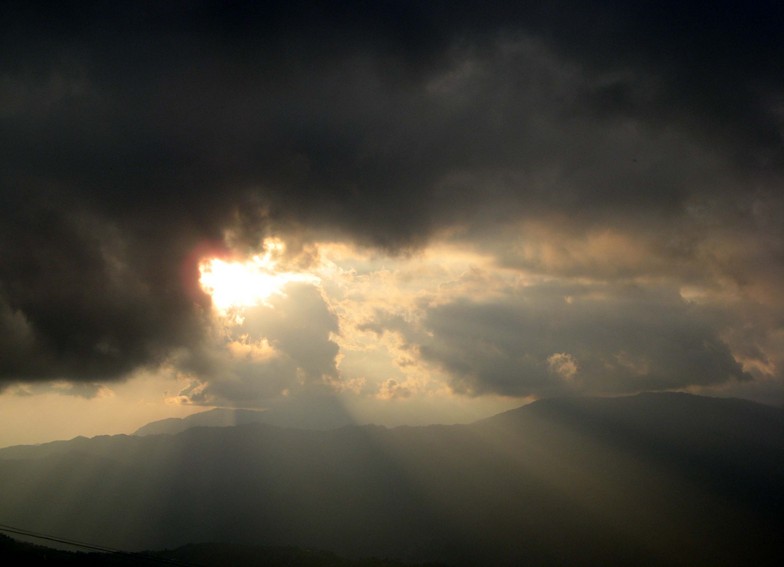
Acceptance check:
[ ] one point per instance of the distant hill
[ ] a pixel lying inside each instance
(219, 417)
(654, 479)
(303, 412)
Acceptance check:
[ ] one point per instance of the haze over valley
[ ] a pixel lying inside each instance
(654, 479)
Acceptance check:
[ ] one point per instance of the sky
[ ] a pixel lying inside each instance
(388, 212)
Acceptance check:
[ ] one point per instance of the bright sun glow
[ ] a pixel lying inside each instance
(248, 283)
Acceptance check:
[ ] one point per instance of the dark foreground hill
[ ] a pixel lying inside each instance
(196, 555)
(655, 479)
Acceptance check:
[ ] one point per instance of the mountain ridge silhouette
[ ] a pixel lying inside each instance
(655, 479)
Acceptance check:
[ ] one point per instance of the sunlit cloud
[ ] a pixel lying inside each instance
(451, 321)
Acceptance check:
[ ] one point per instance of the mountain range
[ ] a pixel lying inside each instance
(652, 479)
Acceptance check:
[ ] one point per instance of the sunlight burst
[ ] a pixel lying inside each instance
(234, 284)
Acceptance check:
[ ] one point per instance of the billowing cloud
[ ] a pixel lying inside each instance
(284, 347)
(587, 146)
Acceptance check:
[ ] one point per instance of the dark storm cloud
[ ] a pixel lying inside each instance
(82, 300)
(134, 133)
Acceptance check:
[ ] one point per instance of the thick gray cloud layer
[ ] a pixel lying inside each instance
(551, 341)
(134, 135)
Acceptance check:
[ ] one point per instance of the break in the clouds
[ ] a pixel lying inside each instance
(588, 146)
